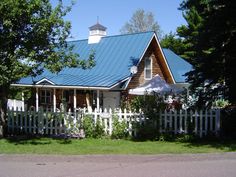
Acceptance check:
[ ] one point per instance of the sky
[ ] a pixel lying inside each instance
(113, 14)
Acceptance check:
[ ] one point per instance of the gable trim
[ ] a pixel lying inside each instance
(162, 54)
(166, 63)
(44, 80)
(119, 83)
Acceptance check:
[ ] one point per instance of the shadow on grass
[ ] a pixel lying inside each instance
(227, 145)
(36, 140)
(190, 141)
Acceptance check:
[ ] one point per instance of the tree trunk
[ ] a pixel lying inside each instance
(3, 109)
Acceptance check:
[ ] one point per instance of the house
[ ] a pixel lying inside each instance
(123, 62)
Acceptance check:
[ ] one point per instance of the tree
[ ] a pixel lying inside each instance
(33, 37)
(173, 42)
(210, 42)
(141, 21)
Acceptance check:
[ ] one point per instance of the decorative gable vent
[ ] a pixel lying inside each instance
(96, 32)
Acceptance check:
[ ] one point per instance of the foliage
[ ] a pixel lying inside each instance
(173, 42)
(210, 40)
(221, 103)
(119, 128)
(146, 131)
(91, 129)
(228, 120)
(33, 37)
(98, 130)
(141, 21)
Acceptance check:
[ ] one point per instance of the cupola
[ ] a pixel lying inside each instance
(96, 32)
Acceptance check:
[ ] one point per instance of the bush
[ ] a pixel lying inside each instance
(228, 119)
(146, 131)
(119, 129)
(91, 129)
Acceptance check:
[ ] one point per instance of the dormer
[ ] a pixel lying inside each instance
(96, 32)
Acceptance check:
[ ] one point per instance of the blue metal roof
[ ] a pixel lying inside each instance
(177, 65)
(114, 55)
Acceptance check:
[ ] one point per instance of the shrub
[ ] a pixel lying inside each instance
(98, 130)
(146, 131)
(228, 120)
(91, 129)
(119, 129)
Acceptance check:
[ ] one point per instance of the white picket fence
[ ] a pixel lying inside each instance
(200, 122)
(53, 123)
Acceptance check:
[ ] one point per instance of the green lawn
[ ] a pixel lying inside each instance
(108, 146)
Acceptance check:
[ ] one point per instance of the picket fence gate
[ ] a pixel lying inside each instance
(43, 122)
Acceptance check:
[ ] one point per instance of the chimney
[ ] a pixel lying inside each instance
(96, 32)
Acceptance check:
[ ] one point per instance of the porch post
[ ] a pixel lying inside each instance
(37, 99)
(23, 101)
(75, 99)
(54, 100)
(98, 100)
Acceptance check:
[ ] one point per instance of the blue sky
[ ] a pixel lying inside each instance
(115, 13)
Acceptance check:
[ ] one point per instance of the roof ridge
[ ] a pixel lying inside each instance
(116, 35)
(128, 34)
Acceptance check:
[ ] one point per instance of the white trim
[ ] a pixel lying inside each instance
(54, 100)
(98, 99)
(145, 50)
(37, 99)
(157, 41)
(62, 86)
(127, 83)
(74, 99)
(150, 58)
(23, 101)
(45, 79)
(119, 83)
(164, 59)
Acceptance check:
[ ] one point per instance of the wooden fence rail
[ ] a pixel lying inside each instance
(52, 123)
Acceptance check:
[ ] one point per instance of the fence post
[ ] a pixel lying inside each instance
(180, 121)
(217, 121)
(201, 123)
(46, 126)
(196, 122)
(160, 120)
(206, 122)
(186, 121)
(95, 115)
(110, 122)
(175, 121)
(211, 121)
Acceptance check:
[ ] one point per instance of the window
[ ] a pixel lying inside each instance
(148, 69)
(46, 96)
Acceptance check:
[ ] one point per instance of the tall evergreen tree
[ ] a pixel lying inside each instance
(173, 42)
(210, 42)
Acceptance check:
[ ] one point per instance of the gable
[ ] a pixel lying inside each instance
(159, 65)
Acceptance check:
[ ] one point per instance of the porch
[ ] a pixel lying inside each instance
(59, 99)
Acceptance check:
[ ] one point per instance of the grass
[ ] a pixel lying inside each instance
(108, 146)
